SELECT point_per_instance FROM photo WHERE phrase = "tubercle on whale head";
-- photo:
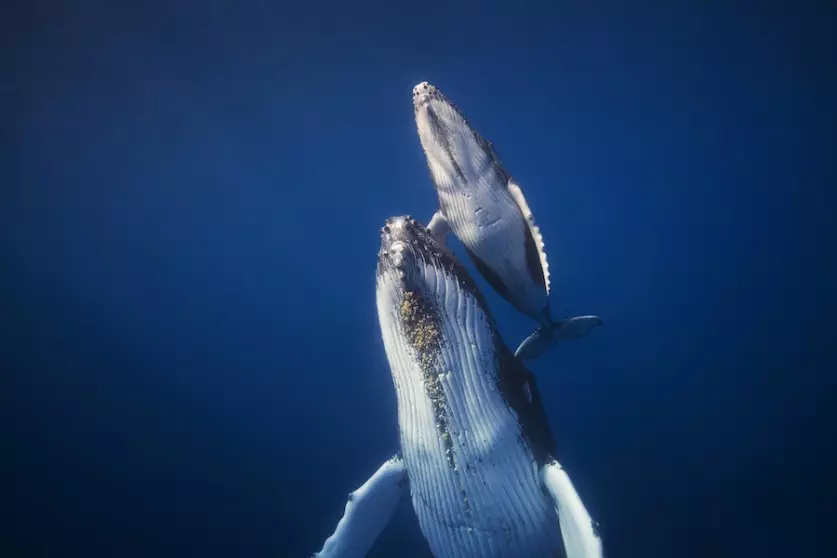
(422, 93)
(409, 248)
(425, 91)
(402, 228)
(403, 240)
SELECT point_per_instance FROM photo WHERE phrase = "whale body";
(485, 208)
(477, 455)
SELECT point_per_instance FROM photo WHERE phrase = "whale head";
(457, 156)
(411, 257)
(411, 260)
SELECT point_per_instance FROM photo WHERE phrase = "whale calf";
(485, 208)
(477, 456)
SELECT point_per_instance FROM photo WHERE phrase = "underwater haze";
(189, 225)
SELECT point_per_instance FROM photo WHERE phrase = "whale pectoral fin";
(368, 510)
(545, 337)
(579, 531)
(517, 194)
(439, 227)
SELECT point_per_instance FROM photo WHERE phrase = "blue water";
(189, 226)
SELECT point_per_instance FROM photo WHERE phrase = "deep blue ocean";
(191, 202)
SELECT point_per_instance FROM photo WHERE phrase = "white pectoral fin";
(367, 512)
(517, 194)
(581, 539)
(439, 226)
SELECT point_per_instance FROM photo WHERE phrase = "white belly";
(489, 223)
(492, 504)
(474, 485)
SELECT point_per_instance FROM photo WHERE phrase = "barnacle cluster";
(423, 331)
(422, 327)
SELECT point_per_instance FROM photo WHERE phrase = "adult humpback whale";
(477, 453)
(485, 208)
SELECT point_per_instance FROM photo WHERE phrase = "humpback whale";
(477, 456)
(485, 208)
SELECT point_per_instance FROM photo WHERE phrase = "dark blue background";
(189, 226)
